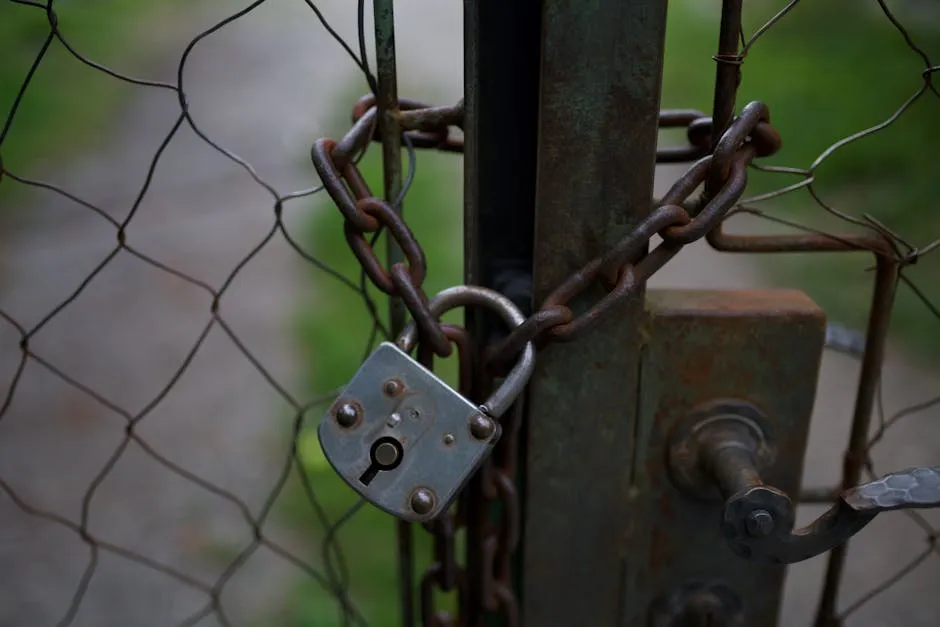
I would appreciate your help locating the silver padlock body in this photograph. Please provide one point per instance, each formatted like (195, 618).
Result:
(428, 419)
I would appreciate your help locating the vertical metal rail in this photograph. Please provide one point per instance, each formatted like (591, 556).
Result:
(501, 73)
(390, 131)
(728, 72)
(727, 79)
(585, 537)
(501, 97)
(879, 320)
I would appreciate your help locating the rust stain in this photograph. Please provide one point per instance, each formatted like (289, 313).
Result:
(661, 553)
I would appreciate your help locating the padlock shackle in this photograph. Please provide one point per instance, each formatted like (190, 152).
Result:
(474, 295)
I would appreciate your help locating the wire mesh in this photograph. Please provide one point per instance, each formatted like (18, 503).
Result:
(906, 256)
(330, 570)
(331, 573)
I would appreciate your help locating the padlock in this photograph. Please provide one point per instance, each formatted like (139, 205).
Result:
(402, 438)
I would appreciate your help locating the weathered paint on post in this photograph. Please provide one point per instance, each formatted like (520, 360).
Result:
(600, 91)
(760, 347)
(386, 103)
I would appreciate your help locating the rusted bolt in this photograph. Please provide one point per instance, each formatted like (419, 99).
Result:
(481, 427)
(449, 439)
(422, 501)
(759, 523)
(347, 414)
(393, 387)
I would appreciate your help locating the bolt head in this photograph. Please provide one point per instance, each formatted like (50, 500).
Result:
(759, 523)
(394, 419)
(347, 414)
(422, 501)
(393, 387)
(449, 439)
(482, 427)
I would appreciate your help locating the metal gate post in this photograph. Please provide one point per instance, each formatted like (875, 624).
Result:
(501, 67)
(598, 115)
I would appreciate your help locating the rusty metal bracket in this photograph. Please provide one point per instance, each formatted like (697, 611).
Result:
(729, 366)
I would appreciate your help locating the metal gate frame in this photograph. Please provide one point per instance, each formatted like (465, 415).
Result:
(595, 165)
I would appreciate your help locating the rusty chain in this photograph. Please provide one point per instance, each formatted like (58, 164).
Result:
(366, 213)
(679, 219)
(497, 541)
(445, 575)
(500, 538)
(430, 127)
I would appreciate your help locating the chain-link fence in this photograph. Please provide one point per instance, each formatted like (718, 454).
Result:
(193, 508)
(157, 460)
(862, 201)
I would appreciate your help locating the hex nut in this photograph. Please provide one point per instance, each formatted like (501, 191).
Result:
(771, 506)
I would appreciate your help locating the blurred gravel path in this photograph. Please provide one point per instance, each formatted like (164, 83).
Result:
(263, 87)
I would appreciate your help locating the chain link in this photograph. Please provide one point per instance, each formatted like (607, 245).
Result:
(500, 537)
(429, 127)
(698, 132)
(366, 213)
(445, 574)
(426, 126)
(679, 219)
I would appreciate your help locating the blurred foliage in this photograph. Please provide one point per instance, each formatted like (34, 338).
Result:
(67, 104)
(828, 70)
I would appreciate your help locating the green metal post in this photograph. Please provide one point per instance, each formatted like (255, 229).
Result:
(390, 130)
(600, 91)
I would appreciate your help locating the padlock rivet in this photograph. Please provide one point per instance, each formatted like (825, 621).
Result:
(347, 414)
(394, 419)
(393, 387)
(449, 439)
(422, 501)
(481, 427)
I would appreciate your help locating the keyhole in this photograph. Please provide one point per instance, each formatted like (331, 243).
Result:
(385, 454)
